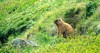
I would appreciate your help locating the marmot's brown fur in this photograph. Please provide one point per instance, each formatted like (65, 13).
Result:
(63, 28)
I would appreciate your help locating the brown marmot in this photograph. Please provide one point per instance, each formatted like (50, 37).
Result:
(63, 28)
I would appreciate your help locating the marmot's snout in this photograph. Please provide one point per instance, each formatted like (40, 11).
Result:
(55, 21)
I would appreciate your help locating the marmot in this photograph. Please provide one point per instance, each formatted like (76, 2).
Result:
(63, 28)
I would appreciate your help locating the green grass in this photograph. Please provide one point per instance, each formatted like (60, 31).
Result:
(80, 44)
(20, 17)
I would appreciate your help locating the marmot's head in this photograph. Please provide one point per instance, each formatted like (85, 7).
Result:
(58, 21)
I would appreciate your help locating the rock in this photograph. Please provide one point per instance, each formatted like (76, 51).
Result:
(53, 30)
(98, 29)
(31, 43)
(20, 43)
(98, 26)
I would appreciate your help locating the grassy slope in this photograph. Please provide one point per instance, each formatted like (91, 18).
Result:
(37, 16)
(80, 44)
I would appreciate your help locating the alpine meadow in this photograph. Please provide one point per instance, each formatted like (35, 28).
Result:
(31, 26)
